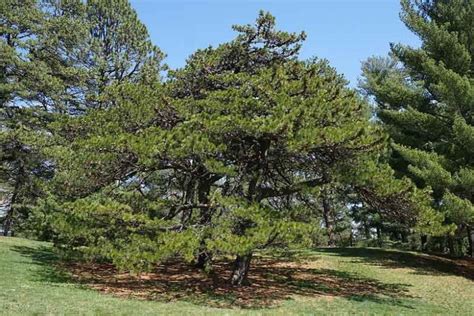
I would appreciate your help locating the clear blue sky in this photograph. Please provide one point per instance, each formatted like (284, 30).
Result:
(344, 31)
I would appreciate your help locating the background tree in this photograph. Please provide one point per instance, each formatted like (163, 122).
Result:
(38, 75)
(425, 99)
(58, 57)
(119, 49)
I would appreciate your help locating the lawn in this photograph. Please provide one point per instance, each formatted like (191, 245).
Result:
(323, 281)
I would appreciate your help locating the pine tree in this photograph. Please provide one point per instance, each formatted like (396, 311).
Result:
(257, 46)
(119, 48)
(425, 99)
(58, 58)
(38, 76)
(219, 160)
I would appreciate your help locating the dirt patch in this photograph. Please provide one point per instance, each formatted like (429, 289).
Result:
(272, 281)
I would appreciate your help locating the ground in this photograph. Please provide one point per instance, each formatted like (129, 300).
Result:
(364, 281)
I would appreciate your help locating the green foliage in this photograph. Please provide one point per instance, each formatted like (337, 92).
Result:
(424, 98)
(38, 74)
(264, 226)
(58, 58)
(225, 158)
(119, 49)
(229, 155)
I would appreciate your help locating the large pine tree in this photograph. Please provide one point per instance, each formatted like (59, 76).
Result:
(219, 160)
(425, 99)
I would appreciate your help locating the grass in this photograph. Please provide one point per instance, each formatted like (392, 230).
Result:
(365, 281)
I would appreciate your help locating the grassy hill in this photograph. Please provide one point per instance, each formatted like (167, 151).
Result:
(325, 281)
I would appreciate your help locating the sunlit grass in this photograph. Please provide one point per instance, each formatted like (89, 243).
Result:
(324, 281)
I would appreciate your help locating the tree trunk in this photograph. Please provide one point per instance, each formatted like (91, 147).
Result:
(459, 247)
(451, 246)
(328, 220)
(351, 238)
(424, 240)
(8, 221)
(379, 236)
(404, 237)
(470, 239)
(203, 258)
(241, 269)
(367, 231)
(204, 188)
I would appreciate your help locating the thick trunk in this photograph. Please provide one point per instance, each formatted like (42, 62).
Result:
(241, 269)
(203, 258)
(328, 220)
(470, 239)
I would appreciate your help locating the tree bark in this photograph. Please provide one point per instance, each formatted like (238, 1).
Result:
(379, 236)
(351, 237)
(451, 245)
(367, 231)
(241, 269)
(470, 239)
(404, 236)
(424, 240)
(204, 188)
(8, 221)
(459, 247)
(328, 220)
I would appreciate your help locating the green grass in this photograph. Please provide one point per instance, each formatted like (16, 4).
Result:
(363, 281)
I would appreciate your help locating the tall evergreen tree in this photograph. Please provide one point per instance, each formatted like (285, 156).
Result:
(425, 99)
(38, 76)
(58, 58)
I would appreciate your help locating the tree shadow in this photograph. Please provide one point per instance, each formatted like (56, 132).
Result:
(422, 264)
(272, 281)
(45, 261)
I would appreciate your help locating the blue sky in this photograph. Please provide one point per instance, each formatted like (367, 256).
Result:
(345, 32)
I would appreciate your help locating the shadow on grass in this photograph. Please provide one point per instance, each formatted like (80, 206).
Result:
(422, 264)
(272, 281)
(46, 261)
